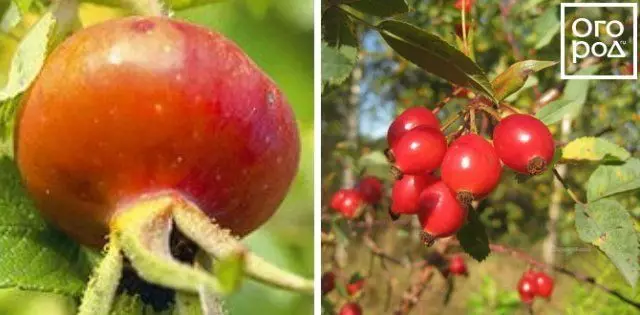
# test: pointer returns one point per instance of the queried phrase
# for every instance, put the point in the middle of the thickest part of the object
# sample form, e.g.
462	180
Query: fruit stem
143	230
101	290
492	112
220	243
472	120
564	183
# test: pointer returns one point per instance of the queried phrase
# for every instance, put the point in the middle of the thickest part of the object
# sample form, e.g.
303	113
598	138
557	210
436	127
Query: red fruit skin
527	289
457	265
328	282
466	6
354	287
146	104
350	309
420	151
336	199
405	194
441	214
471	165
519	138
544	284
409	119
351	203
371	189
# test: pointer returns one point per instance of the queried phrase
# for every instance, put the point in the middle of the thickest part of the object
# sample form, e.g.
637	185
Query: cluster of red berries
351	201
534	284
470	167
353	287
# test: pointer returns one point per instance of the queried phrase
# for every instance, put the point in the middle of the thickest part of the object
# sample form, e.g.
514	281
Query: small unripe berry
524	144
420	151
408	120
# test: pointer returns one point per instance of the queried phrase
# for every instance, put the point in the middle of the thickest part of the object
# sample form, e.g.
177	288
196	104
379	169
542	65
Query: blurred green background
278	35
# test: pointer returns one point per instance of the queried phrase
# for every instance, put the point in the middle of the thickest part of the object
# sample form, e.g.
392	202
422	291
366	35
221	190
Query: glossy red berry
408	120
351	204
405	195
336	199
457	265
544	284
440	214
350	309
355	286
471	168
328	282
527	288
465	5
142	105
371	189
524	144
420	151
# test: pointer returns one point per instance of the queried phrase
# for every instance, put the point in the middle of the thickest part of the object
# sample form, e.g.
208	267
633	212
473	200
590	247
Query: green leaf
337	28
183	4
126	304
578	90
230	271
434	55
555	111
607	225
10	18
546	27
514	78
593	149
34	255
381	8
337	63
473	237
608	180
23	5
28	58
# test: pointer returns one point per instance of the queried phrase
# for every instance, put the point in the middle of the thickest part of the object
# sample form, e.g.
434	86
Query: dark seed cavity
427	239
536	166
394	216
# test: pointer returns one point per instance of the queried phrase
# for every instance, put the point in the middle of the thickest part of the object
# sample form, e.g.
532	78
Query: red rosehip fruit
420	151
405	194
409	119
328	282
440	214
336	200
355	286
371	189
544	284
350	309
471	168
527	288
524	144
352	204
465	5
457	266
140	105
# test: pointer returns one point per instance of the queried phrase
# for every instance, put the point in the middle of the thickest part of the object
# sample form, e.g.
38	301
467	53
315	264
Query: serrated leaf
337	63
607	225
434	55
473	237
514	78
230	271
608	180
381	8
337	28
593	149
546	27
555	111
28	58
35	256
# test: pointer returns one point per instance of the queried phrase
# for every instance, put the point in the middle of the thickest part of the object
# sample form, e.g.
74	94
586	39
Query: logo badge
590	36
